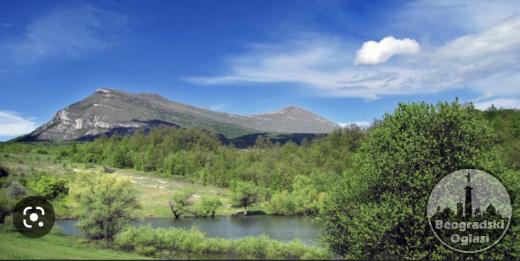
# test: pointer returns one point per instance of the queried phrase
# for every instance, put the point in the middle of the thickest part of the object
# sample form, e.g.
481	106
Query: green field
154	191
16	246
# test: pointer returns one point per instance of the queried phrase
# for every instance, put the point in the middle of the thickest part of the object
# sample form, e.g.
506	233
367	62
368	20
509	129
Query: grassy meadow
16	246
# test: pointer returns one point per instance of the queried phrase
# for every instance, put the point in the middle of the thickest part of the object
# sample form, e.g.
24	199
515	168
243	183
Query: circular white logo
469	211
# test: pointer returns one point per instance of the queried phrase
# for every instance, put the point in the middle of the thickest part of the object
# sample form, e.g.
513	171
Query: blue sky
349	61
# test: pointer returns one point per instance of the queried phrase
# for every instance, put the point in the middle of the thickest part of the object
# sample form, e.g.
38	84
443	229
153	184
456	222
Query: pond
283	228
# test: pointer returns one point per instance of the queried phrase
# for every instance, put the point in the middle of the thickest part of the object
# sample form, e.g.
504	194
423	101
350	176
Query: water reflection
281	228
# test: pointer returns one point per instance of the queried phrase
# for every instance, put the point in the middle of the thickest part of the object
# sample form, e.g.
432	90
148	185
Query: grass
169	243
154	191
16	246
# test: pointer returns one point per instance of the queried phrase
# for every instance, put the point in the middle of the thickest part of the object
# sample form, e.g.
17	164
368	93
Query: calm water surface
281	228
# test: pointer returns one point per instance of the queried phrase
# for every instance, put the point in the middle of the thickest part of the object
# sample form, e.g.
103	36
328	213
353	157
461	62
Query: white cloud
64	32
12	124
379	52
507	103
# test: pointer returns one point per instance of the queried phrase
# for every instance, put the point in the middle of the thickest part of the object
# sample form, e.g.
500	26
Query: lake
283	228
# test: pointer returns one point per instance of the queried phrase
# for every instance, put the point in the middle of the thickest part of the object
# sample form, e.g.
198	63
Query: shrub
281	203
105	204
244	195
51	187
180	203
207	207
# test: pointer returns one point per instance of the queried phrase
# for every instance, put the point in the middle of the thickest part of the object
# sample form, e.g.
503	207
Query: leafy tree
305	195
281	203
179	203
379	210
263	142
207	206
121	158
51	187
104	204
244	194
303	200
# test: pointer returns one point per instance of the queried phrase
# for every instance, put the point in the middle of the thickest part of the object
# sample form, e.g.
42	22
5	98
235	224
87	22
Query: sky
349	61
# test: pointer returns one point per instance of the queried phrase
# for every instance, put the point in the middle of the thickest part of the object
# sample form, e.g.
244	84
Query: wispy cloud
5	25
65	33
507	103
362	124
485	60
13	124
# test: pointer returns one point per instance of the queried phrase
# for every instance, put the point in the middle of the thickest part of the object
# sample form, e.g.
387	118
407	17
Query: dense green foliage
50	187
304	199
379	210
180	203
103	204
199	156
244	195
18	183
166	243
506	123
207	207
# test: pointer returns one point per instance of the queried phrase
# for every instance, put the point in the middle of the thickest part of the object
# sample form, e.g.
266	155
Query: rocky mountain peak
109	109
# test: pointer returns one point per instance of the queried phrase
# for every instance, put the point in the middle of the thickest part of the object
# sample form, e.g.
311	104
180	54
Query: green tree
104	204
379	210
281	203
51	187
180	203
244	194
207	206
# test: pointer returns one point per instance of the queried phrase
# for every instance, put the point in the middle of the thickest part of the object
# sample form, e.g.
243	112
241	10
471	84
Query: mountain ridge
108	109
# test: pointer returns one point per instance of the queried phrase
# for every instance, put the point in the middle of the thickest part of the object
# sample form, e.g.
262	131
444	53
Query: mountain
109	111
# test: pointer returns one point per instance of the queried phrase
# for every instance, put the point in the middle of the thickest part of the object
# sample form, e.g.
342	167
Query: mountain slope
107	110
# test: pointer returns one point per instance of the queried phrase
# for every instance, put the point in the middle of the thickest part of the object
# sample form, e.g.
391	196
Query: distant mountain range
109	111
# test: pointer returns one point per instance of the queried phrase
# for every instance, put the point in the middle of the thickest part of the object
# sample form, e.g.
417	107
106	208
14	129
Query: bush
105	204
244	195
51	187
281	203
180	203
303	200
207	207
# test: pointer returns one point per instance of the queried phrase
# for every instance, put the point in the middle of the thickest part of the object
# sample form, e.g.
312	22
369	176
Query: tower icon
468	208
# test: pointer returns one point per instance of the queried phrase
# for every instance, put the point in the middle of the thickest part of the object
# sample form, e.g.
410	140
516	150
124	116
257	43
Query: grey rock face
109	109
